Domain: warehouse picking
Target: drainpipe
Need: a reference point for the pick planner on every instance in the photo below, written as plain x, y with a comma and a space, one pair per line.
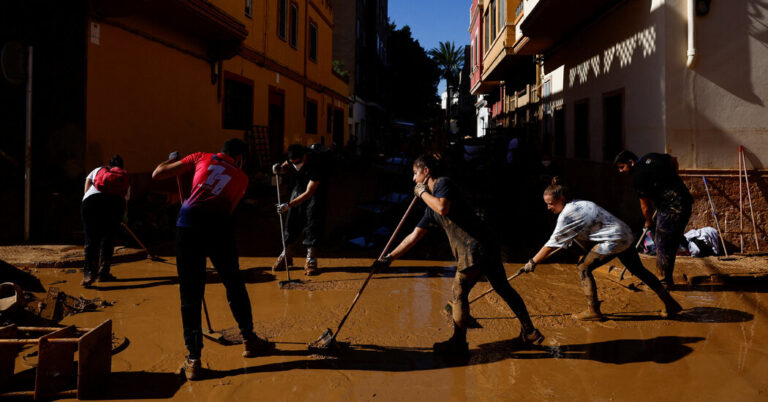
691, 34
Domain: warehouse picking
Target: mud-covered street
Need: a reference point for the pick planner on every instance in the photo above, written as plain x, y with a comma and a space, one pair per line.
712, 351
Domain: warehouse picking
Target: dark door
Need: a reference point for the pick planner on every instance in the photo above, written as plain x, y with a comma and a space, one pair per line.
338, 128
276, 124
581, 129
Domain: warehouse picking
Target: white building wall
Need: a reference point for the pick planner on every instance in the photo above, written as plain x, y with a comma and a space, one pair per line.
623, 51
481, 114
720, 103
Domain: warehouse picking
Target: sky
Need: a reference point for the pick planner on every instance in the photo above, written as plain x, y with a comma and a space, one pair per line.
433, 21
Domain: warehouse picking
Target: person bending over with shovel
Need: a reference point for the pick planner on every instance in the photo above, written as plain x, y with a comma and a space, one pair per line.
204, 229
659, 186
612, 238
307, 206
474, 247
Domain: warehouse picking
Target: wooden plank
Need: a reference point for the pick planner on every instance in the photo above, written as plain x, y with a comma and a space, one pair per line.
8, 354
95, 361
55, 367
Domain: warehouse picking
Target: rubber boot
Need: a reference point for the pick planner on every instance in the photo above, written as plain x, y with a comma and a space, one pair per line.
592, 313
310, 267
456, 346
279, 264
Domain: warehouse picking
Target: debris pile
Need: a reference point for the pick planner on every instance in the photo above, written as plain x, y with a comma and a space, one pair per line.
58, 305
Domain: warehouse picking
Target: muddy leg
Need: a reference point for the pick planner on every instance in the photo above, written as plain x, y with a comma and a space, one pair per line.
223, 253
591, 261
631, 260
463, 282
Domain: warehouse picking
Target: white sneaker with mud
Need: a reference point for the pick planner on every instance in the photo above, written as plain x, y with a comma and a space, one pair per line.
310, 267
279, 264
192, 369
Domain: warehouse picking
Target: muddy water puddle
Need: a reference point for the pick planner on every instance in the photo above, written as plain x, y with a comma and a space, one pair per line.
717, 350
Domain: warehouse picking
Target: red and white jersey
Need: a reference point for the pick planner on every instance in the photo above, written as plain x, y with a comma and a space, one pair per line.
217, 187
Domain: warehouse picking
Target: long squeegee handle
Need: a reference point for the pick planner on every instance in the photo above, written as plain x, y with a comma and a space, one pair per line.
373, 271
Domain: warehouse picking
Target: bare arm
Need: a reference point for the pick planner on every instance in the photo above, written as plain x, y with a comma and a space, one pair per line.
88, 184
440, 205
646, 205
407, 243
543, 254
311, 188
170, 168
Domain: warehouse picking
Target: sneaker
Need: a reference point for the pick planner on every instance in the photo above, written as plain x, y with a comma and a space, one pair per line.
192, 369
87, 281
671, 310
279, 264
310, 267
107, 277
255, 346
589, 315
531, 338
452, 347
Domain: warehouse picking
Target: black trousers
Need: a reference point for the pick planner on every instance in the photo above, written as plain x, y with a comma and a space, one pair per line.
307, 218
467, 278
631, 261
101, 215
670, 226
193, 245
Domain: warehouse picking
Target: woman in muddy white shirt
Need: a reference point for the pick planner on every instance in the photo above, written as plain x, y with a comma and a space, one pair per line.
585, 220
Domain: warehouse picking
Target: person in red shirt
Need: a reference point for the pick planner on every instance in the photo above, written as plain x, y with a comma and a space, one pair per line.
204, 229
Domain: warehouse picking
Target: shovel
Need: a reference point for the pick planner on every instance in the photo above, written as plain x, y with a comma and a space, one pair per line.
327, 341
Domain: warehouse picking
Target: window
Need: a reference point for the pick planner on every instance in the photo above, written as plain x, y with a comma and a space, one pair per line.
281, 18
613, 124
294, 25
237, 109
487, 23
329, 119
492, 16
313, 41
581, 129
311, 117
248, 8
502, 14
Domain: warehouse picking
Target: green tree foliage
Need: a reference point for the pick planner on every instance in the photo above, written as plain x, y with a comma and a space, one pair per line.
412, 77
450, 61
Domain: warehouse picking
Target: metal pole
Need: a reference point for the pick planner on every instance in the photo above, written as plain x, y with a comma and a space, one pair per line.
28, 148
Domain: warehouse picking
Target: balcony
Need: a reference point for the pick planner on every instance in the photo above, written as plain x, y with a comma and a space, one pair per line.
551, 21
500, 59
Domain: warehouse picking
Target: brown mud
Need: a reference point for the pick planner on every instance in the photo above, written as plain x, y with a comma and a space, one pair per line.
716, 350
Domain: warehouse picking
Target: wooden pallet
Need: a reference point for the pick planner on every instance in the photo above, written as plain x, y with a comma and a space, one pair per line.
56, 360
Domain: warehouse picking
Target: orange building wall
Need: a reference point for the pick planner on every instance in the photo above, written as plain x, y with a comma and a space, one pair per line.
145, 99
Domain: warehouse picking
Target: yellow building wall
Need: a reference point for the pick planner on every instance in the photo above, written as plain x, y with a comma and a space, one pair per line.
147, 97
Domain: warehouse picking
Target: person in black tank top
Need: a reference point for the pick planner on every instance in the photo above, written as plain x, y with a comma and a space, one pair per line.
473, 245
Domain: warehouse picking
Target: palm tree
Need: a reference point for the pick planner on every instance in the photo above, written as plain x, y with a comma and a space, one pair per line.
450, 60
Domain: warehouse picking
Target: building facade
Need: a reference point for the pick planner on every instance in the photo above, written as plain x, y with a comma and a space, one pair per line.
141, 79
683, 77
360, 44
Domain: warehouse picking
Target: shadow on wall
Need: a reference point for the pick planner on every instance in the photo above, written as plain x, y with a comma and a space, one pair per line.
726, 60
